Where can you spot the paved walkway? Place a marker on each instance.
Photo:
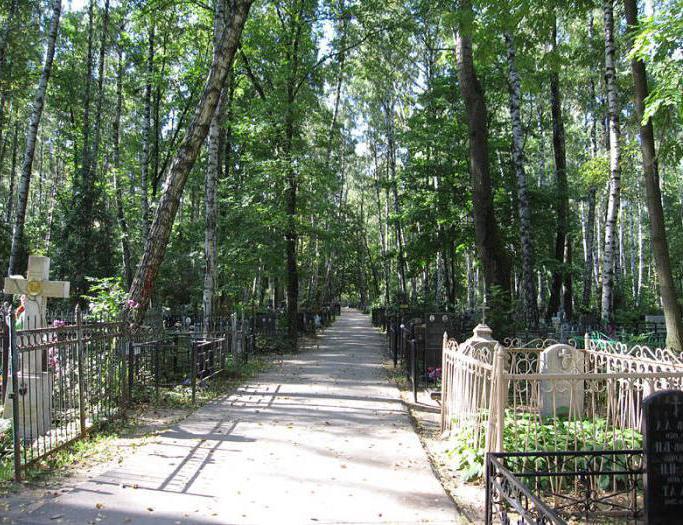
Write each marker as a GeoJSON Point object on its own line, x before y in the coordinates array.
{"type": "Point", "coordinates": [322, 439]}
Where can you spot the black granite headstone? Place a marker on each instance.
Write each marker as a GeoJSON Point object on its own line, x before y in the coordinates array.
{"type": "Point", "coordinates": [435, 326]}
{"type": "Point", "coordinates": [663, 448]}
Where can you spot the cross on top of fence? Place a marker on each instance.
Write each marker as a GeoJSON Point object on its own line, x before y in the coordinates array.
{"type": "Point", "coordinates": [483, 308]}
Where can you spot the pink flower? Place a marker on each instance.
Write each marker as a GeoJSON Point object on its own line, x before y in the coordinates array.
{"type": "Point", "coordinates": [53, 358]}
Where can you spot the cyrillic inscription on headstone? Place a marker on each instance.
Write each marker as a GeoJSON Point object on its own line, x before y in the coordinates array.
{"type": "Point", "coordinates": [663, 448]}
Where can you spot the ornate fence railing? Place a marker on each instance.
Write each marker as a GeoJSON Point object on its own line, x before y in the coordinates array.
{"type": "Point", "coordinates": [550, 396]}
{"type": "Point", "coordinates": [64, 380]}
{"type": "Point", "coordinates": [564, 487]}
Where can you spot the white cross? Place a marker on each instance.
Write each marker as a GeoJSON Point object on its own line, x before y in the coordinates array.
{"type": "Point", "coordinates": [36, 408]}
{"type": "Point", "coordinates": [37, 288]}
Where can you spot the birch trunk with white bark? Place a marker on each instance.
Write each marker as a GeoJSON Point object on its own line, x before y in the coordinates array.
{"type": "Point", "coordinates": [31, 136]}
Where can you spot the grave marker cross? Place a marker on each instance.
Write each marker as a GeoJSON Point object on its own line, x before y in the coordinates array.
{"type": "Point", "coordinates": [483, 311]}
{"type": "Point", "coordinates": [35, 410]}
{"type": "Point", "coordinates": [37, 287]}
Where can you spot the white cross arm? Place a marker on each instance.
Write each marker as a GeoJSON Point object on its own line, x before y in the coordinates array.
{"type": "Point", "coordinates": [19, 285]}
{"type": "Point", "coordinates": [57, 289]}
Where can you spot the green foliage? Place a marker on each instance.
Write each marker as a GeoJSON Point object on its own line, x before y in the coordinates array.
{"type": "Point", "coordinates": [106, 298]}
{"type": "Point", "coordinates": [594, 173]}
{"type": "Point", "coordinates": [524, 433]}
{"type": "Point", "coordinates": [363, 107]}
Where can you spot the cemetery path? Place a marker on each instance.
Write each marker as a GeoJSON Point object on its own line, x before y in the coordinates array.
{"type": "Point", "coordinates": [322, 438]}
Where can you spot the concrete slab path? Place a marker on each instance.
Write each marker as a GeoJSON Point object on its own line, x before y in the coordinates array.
{"type": "Point", "coordinates": [322, 439]}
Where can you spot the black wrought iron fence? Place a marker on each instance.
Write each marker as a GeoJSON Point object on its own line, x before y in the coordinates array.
{"type": "Point", "coordinates": [83, 370]}
{"type": "Point", "coordinates": [208, 359]}
{"type": "Point", "coordinates": [62, 380]}
{"type": "Point", "coordinates": [564, 487]}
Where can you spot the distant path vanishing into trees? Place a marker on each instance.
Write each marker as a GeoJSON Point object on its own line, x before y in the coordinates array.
{"type": "Point", "coordinates": [322, 438]}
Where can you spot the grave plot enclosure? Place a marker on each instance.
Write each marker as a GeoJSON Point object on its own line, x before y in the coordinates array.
{"type": "Point", "coordinates": [565, 487]}
{"type": "Point", "coordinates": [561, 426]}
{"type": "Point", "coordinates": [82, 370]}
{"type": "Point", "coordinates": [550, 396]}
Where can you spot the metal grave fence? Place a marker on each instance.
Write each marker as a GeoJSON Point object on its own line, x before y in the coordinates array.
{"type": "Point", "coordinates": [550, 396]}
{"type": "Point", "coordinates": [66, 378]}
{"type": "Point", "coordinates": [563, 487]}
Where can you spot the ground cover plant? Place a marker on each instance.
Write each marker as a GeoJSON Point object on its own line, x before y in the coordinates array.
{"type": "Point", "coordinates": [525, 433]}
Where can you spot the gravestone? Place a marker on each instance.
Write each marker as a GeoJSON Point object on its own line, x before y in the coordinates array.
{"type": "Point", "coordinates": [663, 452]}
{"type": "Point", "coordinates": [266, 323]}
{"type": "Point", "coordinates": [561, 398]}
{"type": "Point", "coordinates": [435, 326]}
{"type": "Point", "coordinates": [35, 380]}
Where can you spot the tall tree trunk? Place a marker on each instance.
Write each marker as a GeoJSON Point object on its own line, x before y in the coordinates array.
{"type": "Point", "coordinates": [9, 207]}
{"type": "Point", "coordinates": [607, 303]}
{"type": "Point", "coordinates": [31, 135]}
{"type": "Point", "coordinates": [590, 237]}
{"type": "Point", "coordinates": [100, 97]}
{"type": "Point", "coordinates": [213, 174]}
{"type": "Point", "coordinates": [381, 225]}
{"type": "Point", "coordinates": [528, 284]}
{"type": "Point", "coordinates": [160, 231]}
{"type": "Point", "coordinates": [85, 155]}
{"type": "Point", "coordinates": [660, 246]}
{"type": "Point", "coordinates": [541, 145]}
{"type": "Point", "coordinates": [561, 191]}
{"type": "Point", "coordinates": [8, 29]}
{"type": "Point", "coordinates": [118, 194]}
{"type": "Point", "coordinates": [391, 153]}
{"type": "Point", "coordinates": [292, 184]}
{"type": "Point", "coordinates": [495, 260]}
{"type": "Point", "coordinates": [568, 297]}
{"type": "Point", "coordinates": [641, 253]}
{"type": "Point", "coordinates": [146, 134]}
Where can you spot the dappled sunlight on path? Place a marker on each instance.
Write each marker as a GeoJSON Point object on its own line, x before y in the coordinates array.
{"type": "Point", "coordinates": [323, 439]}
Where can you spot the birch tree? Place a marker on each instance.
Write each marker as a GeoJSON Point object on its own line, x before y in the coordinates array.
{"type": "Point", "coordinates": [156, 243]}
{"type": "Point", "coordinates": [524, 211]}
{"type": "Point", "coordinates": [609, 251]}
{"type": "Point", "coordinates": [31, 136]}
{"type": "Point", "coordinates": [213, 171]}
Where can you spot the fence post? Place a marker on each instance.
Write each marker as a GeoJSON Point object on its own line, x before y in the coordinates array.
{"type": "Point", "coordinates": [157, 368]}
{"type": "Point", "coordinates": [81, 369]}
{"type": "Point", "coordinates": [413, 366]}
{"type": "Point", "coordinates": [394, 342]}
{"type": "Point", "coordinates": [445, 379]}
{"type": "Point", "coordinates": [129, 359]}
{"type": "Point", "coordinates": [193, 369]}
{"type": "Point", "coordinates": [233, 339]}
{"type": "Point", "coordinates": [487, 504]}
{"type": "Point", "coordinates": [586, 341]}
{"type": "Point", "coordinates": [125, 329]}
{"type": "Point", "coordinates": [494, 436]}
{"type": "Point", "coordinates": [14, 356]}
